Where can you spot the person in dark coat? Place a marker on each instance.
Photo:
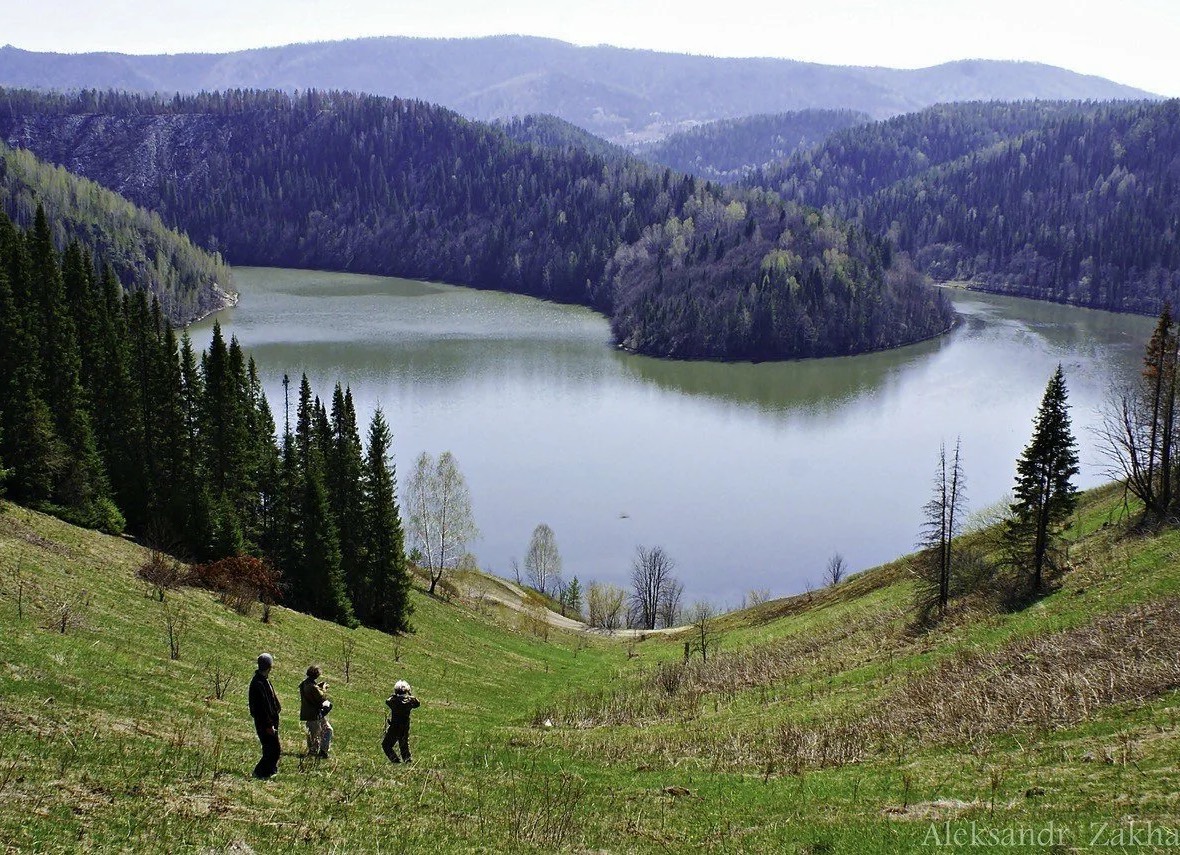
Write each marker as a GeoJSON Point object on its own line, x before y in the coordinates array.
{"type": "Point", "coordinates": [401, 703]}
{"type": "Point", "coordinates": [264, 709]}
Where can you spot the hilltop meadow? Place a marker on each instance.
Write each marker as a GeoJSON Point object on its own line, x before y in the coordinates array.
{"type": "Point", "coordinates": [832, 721]}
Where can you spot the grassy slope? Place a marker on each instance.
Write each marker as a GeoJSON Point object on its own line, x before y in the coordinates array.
{"type": "Point", "coordinates": [106, 743]}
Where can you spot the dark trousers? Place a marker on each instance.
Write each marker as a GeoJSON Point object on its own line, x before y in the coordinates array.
{"type": "Point", "coordinates": [400, 735]}
{"type": "Point", "coordinates": [271, 749]}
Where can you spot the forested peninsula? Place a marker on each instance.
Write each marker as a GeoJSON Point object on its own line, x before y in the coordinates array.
{"type": "Point", "coordinates": [382, 185]}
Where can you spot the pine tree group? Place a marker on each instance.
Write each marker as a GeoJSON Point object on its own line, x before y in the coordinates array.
{"type": "Point", "coordinates": [108, 421]}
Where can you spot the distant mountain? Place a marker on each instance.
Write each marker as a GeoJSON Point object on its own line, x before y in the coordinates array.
{"type": "Point", "coordinates": [144, 253]}
{"type": "Point", "coordinates": [342, 181]}
{"type": "Point", "coordinates": [616, 93]}
{"type": "Point", "coordinates": [1070, 202]}
{"type": "Point", "coordinates": [730, 149]}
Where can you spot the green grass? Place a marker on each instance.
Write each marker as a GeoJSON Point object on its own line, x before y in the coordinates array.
{"type": "Point", "coordinates": [107, 744]}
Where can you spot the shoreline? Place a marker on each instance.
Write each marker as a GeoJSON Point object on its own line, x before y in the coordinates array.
{"type": "Point", "coordinates": [228, 299]}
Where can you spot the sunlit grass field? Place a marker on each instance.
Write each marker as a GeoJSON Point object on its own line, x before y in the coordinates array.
{"type": "Point", "coordinates": [830, 722]}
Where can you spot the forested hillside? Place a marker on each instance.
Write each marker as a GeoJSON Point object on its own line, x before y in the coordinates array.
{"type": "Point", "coordinates": [367, 184]}
{"type": "Point", "coordinates": [551, 132]}
{"type": "Point", "coordinates": [730, 149]}
{"type": "Point", "coordinates": [1073, 202]}
{"type": "Point", "coordinates": [109, 421]}
{"type": "Point", "coordinates": [187, 281]}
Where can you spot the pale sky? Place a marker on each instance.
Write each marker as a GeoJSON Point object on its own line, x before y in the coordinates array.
{"type": "Point", "coordinates": [1136, 42]}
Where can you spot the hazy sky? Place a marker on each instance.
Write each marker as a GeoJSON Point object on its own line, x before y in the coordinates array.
{"type": "Point", "coordinates": [1131, 41]}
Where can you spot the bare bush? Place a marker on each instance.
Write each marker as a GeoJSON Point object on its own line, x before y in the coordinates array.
{"type": "Point", "coordinates": [542, 809]}
{"type": "Point", "coordinates": [175, 626]}
{"type": "Point", "coordinates": [220, 683]}
{"type": "Point", "coordinates": [19, 587]}
{"type": "Point", "coordinates": [532, 621]}
{"type": "Point", "coordinates": [66, 610]}
{"type": "Point", "coordinates": [161, 574]}
{"type": "Point", "coordinates": [757, 597]}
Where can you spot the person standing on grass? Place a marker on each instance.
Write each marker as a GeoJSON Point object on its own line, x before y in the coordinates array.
{"type": "Point", "coordinates": [312, 697]}
{"type": "Point", "coordinates": [264, 709]}
{"type": "Point", "coordinates": [401, 703]}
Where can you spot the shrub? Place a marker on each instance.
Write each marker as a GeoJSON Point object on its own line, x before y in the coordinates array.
{"type": "Point", "coordinates": [241, 580]}
{"type": "Point", "coordinates": [161, 574]}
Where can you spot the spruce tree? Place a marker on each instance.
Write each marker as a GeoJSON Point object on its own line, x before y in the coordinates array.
{"type": "Point", "coordinates": [81, 482]}
{"type": "Point", "coordinates": [264, 462]}
{"type": "Point", "coordinates": [325, 593]}
{"type": "Point", "coordinates": [118, 422]}
{"type": "Point", "coordinates": [1044, 494]}
{"type": "Point", "coordinates": [317, 583]}
{"type": "Point", "coordinates": [387, 583]}
{"type": "Point", "coordinates": [345, 472]}
{"type": "Point", "coordinates": [193, 486]}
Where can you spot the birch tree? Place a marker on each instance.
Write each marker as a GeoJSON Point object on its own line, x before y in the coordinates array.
{"type": "Point", "coordinates": [440, 514]}
{"type": "Point", "coordinates": [542, 563]}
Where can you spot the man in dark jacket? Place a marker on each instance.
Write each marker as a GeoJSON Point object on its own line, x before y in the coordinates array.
{"type": "Point", "coordinates": [264, 709]}
{"type": "Point", "coordinates": [401, 703]}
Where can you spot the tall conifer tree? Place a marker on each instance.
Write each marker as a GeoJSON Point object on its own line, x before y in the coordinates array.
{"type": "Point", "coordinates": [345, 471]}
{"type": "Point", "coordinates": [1044, 494]}
{"type": "Point", "coordinates": [387, 584]}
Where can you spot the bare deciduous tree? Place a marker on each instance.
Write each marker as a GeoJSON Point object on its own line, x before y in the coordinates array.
{"type": "Point", "coordinates": [835, 571]}
{"type": "Point", "coordinates": [651, 573]}
{"type": "Point", "coordinates": [670, 602]}
{"type": "Point", "coordinates": [542, 563]}
{"type": "Point", "coordinates": [604, 605]}
{"type": "Point", "coordinates": [440, 514]}
{"type": "Point", "coordinates": [175, 625]}
{"type": "Point", "coordinates": [757, 597]}
{"type": "Point", "coordinates": [1138, 433]}
{"type": "Point", "coordinates": [702, 616]}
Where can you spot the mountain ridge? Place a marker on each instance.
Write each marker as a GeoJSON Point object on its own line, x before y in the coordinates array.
{"type": "Point", "coordinates": [619, 93]}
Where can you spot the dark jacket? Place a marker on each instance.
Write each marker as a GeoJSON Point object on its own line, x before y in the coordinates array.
{"type": "Point", "coordinates": [264, 703]}
{"type": "Point", "coordinates": [311, 700]}
{"type": "Point", "coordinates": [400, 707]}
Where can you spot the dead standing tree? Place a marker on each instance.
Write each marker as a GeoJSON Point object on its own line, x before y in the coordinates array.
{"type": "Point", "coordinates": [943, 520]}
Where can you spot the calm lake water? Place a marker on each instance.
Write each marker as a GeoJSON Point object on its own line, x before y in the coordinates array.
{"type": "Point", "coordinates": [749, 476]}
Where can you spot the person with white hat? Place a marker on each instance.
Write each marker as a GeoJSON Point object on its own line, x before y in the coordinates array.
{"type": "Point", "coordinates": [397, 729]}
{"type": "Point", "coordinates": [264, 709]}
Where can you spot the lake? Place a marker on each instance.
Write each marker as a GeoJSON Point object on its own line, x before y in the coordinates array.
{"type": "Point", "coordinates": [749, 475]}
